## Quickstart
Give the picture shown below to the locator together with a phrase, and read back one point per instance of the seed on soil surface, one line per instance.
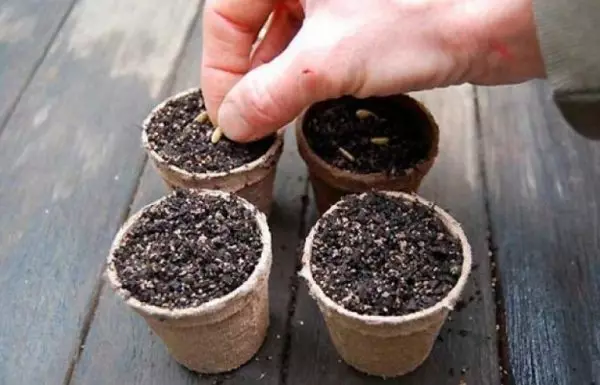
(346, 154)
(188, 249)
(381, 140)
(395, 142)
(363, 114)
(359, 262)
(216, 135)
(178, 135)
(202, 117)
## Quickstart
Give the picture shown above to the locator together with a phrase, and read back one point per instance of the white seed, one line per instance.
(363, 114)
(346, 154)
(380, 140)
(216, 135)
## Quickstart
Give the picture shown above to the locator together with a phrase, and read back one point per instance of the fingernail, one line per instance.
(232, 123)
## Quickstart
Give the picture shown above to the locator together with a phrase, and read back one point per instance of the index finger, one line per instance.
(230, 28)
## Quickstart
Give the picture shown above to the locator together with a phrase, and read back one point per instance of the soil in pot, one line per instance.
(368, 135)
(181, 138)
(188, 249)
(379, 255)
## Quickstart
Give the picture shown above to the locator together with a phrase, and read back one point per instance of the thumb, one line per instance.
(273, 94)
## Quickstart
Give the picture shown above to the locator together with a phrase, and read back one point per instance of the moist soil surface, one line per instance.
(181, 141)
(401, 135)
(189, 249)
(380, 255)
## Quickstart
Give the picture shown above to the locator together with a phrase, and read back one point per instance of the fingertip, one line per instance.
(241, 124)
(215, 83)
(211, 106)
(233, 125)
(229, 29)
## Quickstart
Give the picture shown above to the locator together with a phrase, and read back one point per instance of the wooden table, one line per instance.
(78, 77)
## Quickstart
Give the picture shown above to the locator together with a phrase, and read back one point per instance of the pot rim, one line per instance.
(271, 153)
(424, 164)
(446, 303)
(215, 305)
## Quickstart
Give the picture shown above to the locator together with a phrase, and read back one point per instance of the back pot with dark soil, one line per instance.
(385, 268)
(190, 152)
(356, 145)
(195, 265)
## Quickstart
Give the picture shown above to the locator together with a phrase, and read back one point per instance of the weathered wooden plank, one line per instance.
(69, 161)
(545, 211)
(25, 36)
(120, 349)
(468, 341)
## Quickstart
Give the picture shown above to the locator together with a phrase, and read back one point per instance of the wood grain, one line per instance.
(70, 157)
(468, 341)
(26, 34)
(544, 202)
(120, 348)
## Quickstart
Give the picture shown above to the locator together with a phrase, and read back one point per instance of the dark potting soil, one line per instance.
(185, 143)
(188, 250)
(392, 139)
(379, 255)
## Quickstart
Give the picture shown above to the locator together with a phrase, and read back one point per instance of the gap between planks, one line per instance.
(293, 287)
(501, 330)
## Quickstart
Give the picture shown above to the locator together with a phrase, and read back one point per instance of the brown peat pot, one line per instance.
(215, 336)
(330, 182)
(253, 180)
(382, 345)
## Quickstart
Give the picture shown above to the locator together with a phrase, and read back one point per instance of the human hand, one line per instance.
(320, 49)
